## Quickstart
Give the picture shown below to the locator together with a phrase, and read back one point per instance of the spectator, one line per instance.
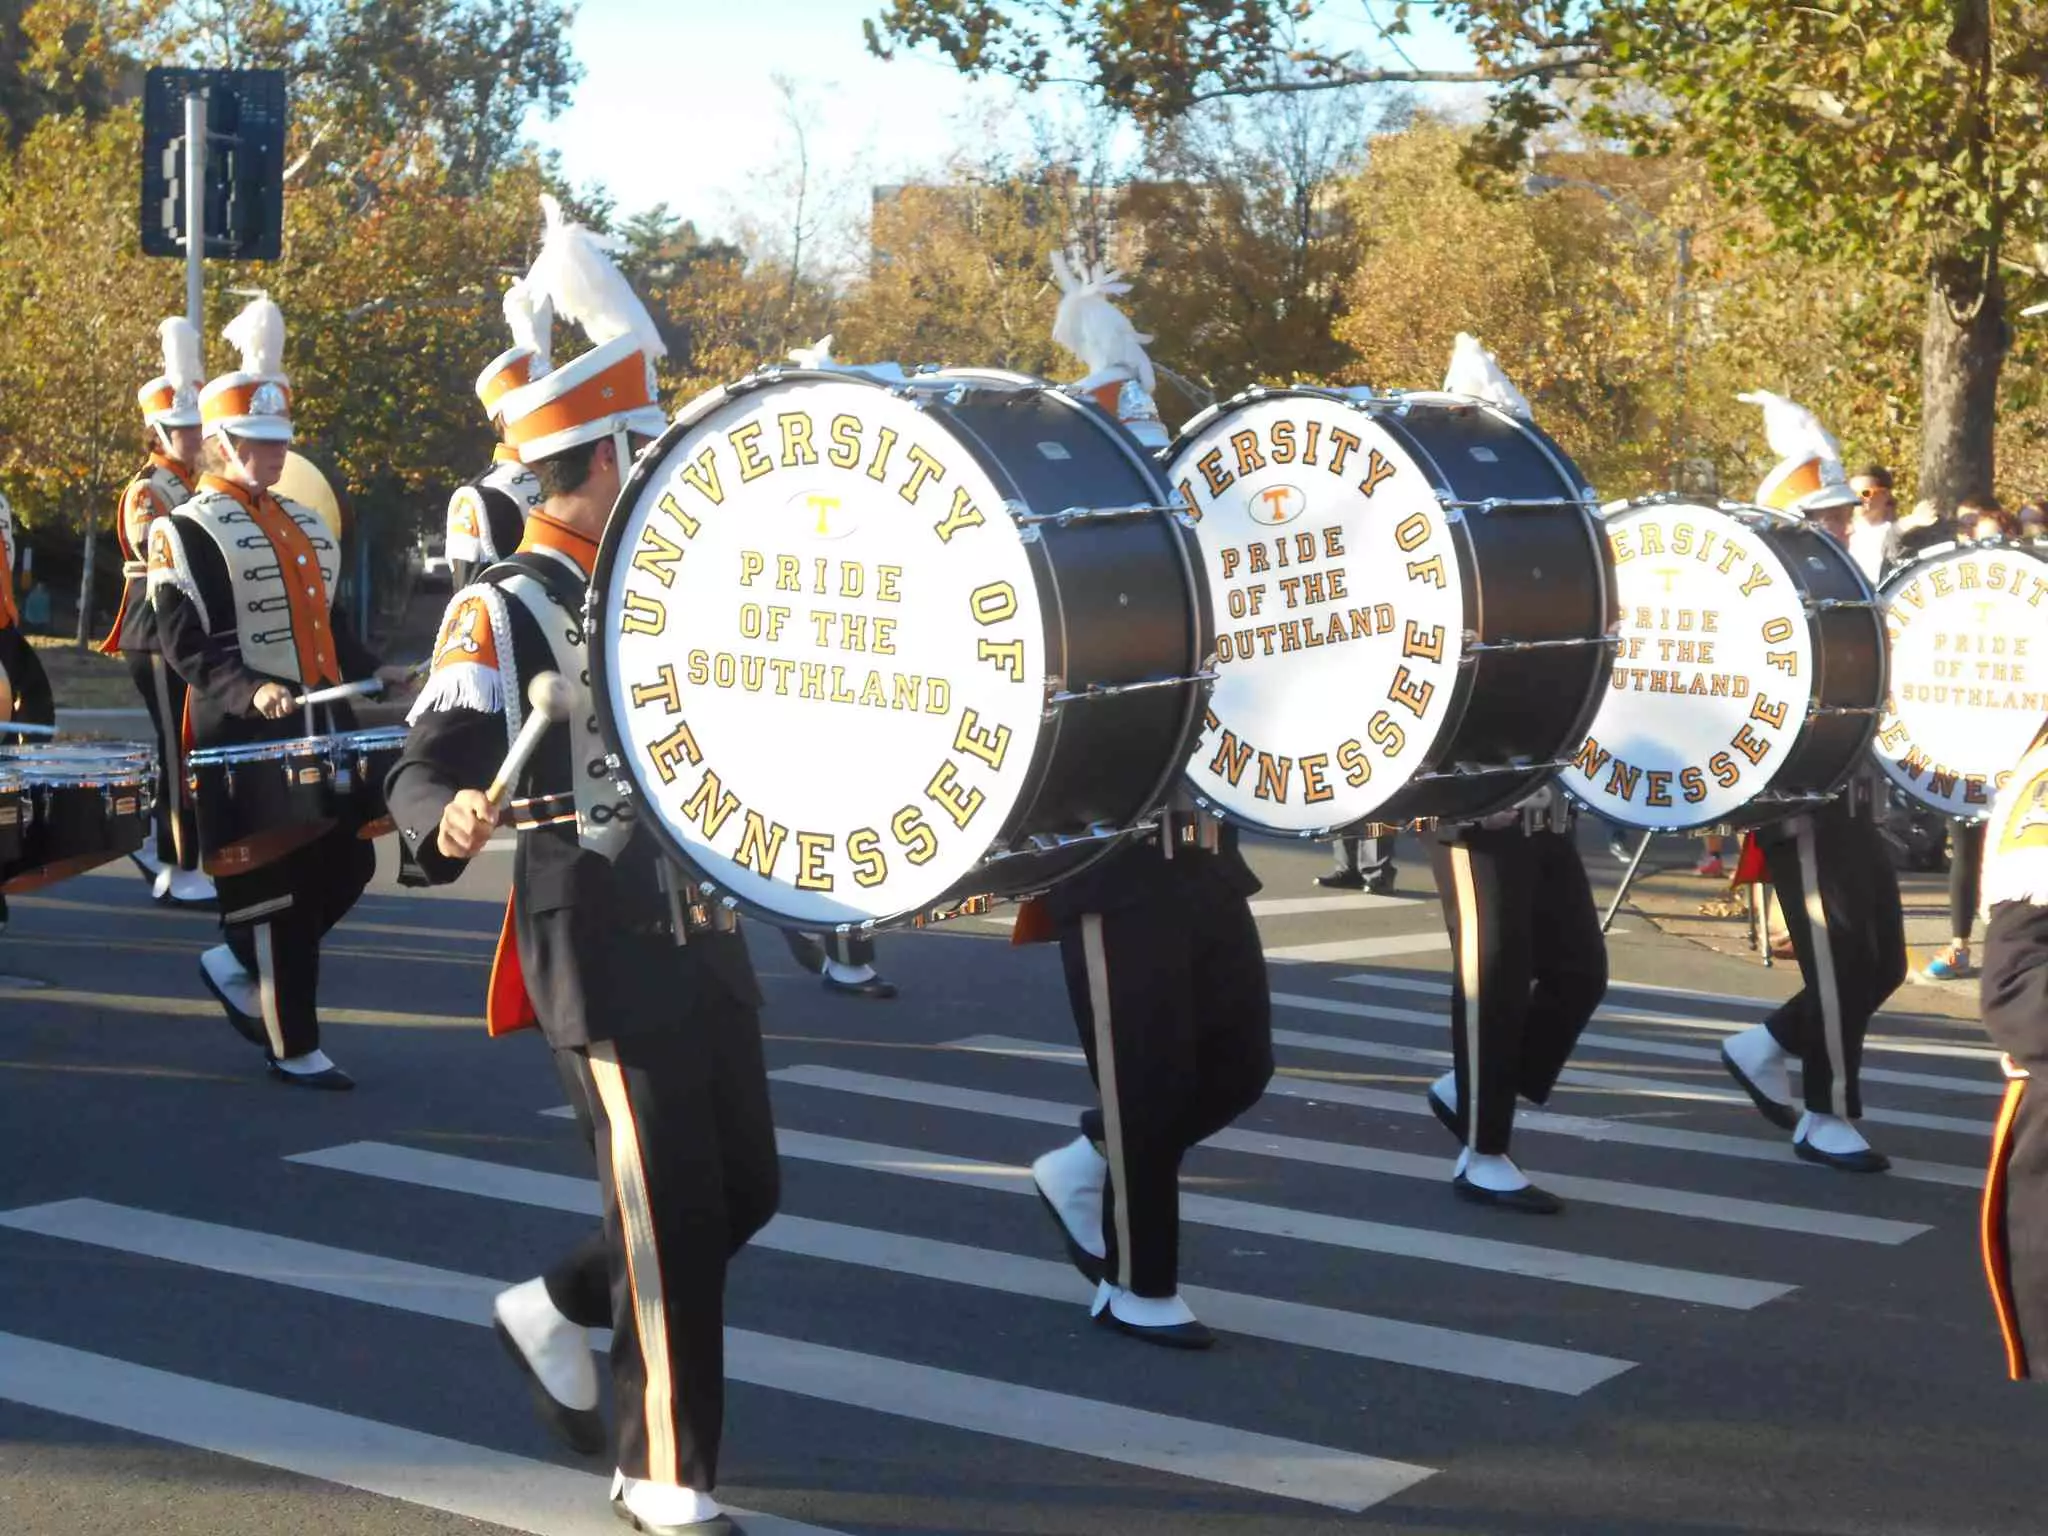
(1874, 535)
(1923, 528)
(1981, 517)
(2033, 520)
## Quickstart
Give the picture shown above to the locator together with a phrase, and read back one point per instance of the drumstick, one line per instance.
(363, 689)
(551, 700)
(23, 728)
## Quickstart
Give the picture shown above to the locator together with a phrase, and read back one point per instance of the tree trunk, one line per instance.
(1960, 360)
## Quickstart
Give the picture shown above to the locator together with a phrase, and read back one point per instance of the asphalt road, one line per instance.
(228, 1308)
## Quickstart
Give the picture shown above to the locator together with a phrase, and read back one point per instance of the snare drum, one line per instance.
(1751, 671)
(259, 801)
(1412, 607)
(362, 761)
(865, 653)
(77, 806)
(1968, 626)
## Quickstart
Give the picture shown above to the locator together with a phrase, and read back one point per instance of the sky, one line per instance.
(679, 105)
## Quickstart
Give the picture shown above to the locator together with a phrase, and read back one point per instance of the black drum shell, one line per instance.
(68, 828)
(254, 809)
(1123, 602)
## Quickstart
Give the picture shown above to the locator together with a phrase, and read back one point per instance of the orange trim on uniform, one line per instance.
(508, 1006)
(1033, 925)
(155, 402)
(544, 532)
(611, 391)
(504, 453)
(1997, 1260)
(514, 375)
(1750, 868)
(9, 615)
(309, 604)
(230, 402)
(1801, 480)
(131, 532)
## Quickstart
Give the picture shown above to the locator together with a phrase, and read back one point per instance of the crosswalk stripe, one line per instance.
(1302, 906)
(1339, 950)
(1987, 1086)
(403, 1464)
(1628, 1196)
(1190, 1448)
(1303, 1226)
(1576, 1077)
(1480, 1356)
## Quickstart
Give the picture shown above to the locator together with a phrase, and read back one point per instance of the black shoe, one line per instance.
(332, 1079)
(1529, 1200)
(1784, 1116)
(1092, 1269)
(874, 987)
(1446, 1114)
(581, 1429)
(1194, 1334)
(718, 1525)
(1869, 1160)
(1381, 880)
(247, 1025)
(1342, 880)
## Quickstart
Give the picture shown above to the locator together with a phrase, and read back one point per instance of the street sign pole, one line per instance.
(195, 209)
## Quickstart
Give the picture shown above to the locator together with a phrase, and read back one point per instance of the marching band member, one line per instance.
(1164, 970)
(844, 962)
(652, 1016)
(24, 685)
(1530, 960)
(1834, 883)
(1530, 966)
(246, 634)
(2015, 1010)
(487, 513)
(170, 415)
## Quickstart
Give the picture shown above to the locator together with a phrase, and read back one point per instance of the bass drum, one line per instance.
(1968, 627)
(866, 654)
(1751, 669)
(1413, 607)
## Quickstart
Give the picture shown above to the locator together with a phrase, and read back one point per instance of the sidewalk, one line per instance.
(1669, 895)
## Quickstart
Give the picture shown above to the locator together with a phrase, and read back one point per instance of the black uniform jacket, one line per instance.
(2015, 984)
(593, 937)
(1140, 872)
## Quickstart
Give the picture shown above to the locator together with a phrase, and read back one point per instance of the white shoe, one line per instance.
(160, 885)
(236, 991)
(188, 887)
(1164, 1320)
(555, 1355)
(659, 1508)
(1069, 1181)
(1496, 1175)
(1764, 1070)
(146, 860)
(1836, 1143)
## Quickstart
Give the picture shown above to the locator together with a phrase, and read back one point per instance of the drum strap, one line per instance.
(552, 596)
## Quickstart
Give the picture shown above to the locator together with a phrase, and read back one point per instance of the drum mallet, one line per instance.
(23, 728)
(550, 699)
(362, 690)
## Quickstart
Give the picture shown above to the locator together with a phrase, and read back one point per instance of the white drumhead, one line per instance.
(822, 650)
(1713, 678)
(1339, 606)
(1968, 631)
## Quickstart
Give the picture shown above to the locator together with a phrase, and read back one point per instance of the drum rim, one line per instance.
(1580, 494)
(926, 381)
(1887, 592)
(258, 751)
(1767, 523)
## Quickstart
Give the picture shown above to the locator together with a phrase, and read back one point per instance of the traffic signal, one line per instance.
(244, 177)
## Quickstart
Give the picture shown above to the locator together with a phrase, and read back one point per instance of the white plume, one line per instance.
(575, 274)
(530, 315)
(1474, 372)
(182, 362)
(1793, 431)
(1095, 330)
(817, 355)
(258, 334)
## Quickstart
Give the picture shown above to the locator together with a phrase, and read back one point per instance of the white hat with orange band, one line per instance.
(256, 400)
(1120, 377)
(530, 316)
(608, 391)
(1809, 476)
(172, 398)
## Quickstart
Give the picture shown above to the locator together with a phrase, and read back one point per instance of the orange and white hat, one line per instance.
(1087, 324)
(172, 398)
(609, 390)
(1809, 476)
(530, 316)
(255, 401)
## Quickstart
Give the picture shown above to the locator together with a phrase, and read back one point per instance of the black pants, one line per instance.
(2015, 1228)
(1171, 1001)
(1840, 898)
(34, 704)
(1965, 876)
(1364, 855)
(163, 695)
(274, 918)
(685, 1145)
(812, 950)
(1529, 967)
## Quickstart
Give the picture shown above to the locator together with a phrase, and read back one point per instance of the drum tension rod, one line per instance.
(1029, 519)
(1473, 645)
(1491, 770)
(1056, 693)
